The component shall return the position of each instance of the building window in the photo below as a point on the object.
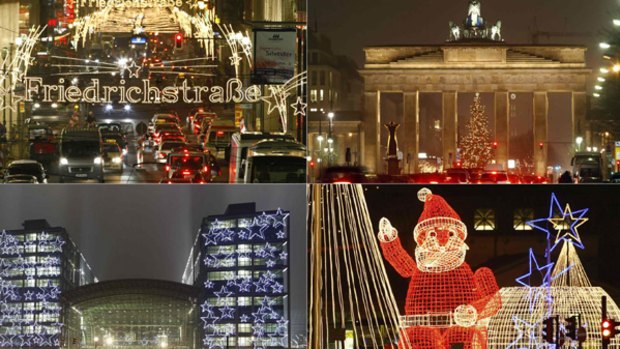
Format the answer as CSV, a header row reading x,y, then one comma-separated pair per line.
x,y
322,95
322,78
484,219
313,78
313,96
521,216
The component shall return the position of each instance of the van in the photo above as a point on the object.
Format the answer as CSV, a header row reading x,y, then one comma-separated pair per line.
x,y
217,137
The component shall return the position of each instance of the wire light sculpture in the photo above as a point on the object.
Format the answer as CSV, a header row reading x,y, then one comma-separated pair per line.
x,y
447,303
349,289
565,291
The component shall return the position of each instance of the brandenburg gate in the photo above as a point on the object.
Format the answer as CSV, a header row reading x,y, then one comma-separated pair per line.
x,y
475,59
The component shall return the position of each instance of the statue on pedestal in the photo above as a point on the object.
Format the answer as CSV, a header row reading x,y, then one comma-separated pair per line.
x,y
392,149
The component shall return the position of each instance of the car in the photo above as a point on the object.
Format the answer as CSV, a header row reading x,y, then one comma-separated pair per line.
x,y
163,128
428,178
199,120
161,154
494,177
26,167
192,165
21,179
167,180
456,175
112,156
344,174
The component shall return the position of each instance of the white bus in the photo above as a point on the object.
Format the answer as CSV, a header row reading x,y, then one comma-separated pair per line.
x,y
276,161
239,145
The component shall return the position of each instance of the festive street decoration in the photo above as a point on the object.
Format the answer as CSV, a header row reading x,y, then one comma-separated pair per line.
x,y
446,302
564,290
29,291
279,94
251,254
14,66
476,149
350,290
238,43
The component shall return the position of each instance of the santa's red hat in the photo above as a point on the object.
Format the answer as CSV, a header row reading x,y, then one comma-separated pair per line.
x,y
437,214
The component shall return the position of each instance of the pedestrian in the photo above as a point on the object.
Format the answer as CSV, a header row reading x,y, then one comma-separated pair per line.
x,y
566,177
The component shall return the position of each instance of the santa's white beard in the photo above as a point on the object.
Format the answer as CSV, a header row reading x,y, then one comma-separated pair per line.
x,y
434,260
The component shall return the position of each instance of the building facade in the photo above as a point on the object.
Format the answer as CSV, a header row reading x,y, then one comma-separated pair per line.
x,y
37,264
335,88
240,261
535,98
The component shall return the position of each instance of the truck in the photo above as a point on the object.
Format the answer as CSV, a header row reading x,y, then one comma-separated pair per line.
x,y
239,145
590,167
80,154
276,161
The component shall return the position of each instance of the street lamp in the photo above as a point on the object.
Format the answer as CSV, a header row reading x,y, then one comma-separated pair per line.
x,y
330,116
579,140
96,339
109,340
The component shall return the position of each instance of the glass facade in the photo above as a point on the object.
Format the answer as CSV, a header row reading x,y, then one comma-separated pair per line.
x,y
240,261
37,264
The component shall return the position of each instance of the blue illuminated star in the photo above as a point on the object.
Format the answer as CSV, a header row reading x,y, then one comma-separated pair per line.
x,y
545,271
257,230
279,219
574,219
541,223
227,312
223,292
209,239
208,284
244,318
225,235
529,329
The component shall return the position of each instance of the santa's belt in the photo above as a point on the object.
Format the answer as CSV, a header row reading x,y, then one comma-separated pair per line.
x,y
428,320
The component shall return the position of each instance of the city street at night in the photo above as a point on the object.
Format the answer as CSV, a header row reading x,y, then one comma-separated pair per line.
x,y
157,79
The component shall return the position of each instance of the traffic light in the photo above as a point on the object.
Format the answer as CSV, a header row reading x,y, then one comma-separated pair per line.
x,y
495,145
548,330
571,327
608,330
178,40
541,145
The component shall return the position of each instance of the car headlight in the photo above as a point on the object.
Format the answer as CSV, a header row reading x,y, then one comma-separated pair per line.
x,y
116,160
64,161
98,160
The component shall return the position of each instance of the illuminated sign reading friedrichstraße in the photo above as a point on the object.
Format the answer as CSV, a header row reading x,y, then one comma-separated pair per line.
x,y
131,3
140,94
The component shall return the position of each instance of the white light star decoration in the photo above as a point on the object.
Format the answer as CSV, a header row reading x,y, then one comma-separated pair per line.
x,y
17,325
278,98
254,251
565,289
239,43
14,66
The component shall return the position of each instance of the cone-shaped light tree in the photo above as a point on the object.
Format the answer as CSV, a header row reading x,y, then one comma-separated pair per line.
x,y
476,149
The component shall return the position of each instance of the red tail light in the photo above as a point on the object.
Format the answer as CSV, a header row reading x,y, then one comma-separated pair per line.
x,y
167,168
219,133
342,181
206,168
186,172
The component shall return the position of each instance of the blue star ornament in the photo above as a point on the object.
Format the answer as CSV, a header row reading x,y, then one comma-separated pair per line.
x,y
545,271
572,219
279,218
541,223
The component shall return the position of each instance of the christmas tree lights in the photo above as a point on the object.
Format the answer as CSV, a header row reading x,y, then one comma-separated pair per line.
x,y
476,149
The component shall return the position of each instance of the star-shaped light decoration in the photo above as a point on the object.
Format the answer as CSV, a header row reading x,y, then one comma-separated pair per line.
x,y
527,337
541,223
279,218
235,60
300,106
572,220
134,70
545,271
223,292
257,230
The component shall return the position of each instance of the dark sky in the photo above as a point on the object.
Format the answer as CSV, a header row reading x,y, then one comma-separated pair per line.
x,y
354,24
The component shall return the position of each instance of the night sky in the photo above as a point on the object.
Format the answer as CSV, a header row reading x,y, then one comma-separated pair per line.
x,y
354,24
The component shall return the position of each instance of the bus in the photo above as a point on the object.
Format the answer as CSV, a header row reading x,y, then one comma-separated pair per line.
x,y
590,167
276,161
239,145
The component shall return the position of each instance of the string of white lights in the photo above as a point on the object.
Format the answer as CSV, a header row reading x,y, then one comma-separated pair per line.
x,y
354,288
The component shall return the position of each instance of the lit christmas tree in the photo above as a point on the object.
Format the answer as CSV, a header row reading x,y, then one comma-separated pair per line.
x,y
476,146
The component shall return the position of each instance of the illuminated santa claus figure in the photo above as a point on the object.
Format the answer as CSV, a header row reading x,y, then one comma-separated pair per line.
x,y
447,303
